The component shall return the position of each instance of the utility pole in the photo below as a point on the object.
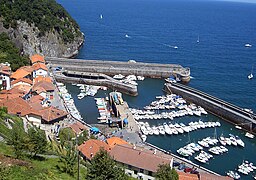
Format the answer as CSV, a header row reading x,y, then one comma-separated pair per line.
x,y
77,158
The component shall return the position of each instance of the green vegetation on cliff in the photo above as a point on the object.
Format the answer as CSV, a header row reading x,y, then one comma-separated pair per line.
x,y
47,15
9,53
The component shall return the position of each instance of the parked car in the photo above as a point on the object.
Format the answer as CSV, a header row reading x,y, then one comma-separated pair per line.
x,y
186,170
181,166
194,172
175,164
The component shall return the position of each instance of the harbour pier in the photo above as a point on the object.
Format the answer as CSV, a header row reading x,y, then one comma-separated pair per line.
x,y
218,107
97,79
111,68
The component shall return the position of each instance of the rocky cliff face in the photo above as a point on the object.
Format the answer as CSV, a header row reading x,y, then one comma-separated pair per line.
x,y
27,38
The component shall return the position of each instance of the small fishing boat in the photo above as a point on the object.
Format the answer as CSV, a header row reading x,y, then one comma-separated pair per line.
x,y
249,135
101,16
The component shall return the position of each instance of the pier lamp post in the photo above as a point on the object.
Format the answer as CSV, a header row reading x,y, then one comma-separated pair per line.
x,y
78,168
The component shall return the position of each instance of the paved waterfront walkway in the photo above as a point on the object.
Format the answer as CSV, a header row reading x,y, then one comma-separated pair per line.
x,y
125,113
129,136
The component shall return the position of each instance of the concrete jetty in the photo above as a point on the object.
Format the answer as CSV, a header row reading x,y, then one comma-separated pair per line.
x,y
218,107
151,70
96,79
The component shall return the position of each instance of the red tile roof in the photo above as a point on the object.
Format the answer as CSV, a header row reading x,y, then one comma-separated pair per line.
x,y
39,90
207,176
29,69
18,106
37,58
115,140
26,80
20,73
78,127
139,157
16,91
9,96
51,113
38,66
41,78
187,176
91,147
35,102
22,89
48,86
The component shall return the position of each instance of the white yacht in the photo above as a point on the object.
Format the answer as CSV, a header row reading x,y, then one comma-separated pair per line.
x,y
248,45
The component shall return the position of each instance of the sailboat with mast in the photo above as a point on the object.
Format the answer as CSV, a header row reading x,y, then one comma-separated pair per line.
x,y
250,76
198,40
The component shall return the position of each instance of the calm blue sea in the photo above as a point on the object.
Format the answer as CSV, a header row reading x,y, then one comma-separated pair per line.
x,y
219,63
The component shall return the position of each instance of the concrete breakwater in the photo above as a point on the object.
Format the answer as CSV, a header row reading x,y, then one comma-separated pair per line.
x,y
218,107
96,79
151,70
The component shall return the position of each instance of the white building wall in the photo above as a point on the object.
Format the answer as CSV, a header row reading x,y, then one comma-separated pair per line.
x,y
138,175
34,119
40,72
43,94
8,81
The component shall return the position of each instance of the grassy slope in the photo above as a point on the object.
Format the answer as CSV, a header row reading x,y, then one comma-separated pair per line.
x,y
38,169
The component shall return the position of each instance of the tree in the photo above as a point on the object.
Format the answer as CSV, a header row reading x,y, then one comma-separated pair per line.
x,y
37,141
104,167
165,172
66,135
82,137
18,139
68,157
9,53
4,172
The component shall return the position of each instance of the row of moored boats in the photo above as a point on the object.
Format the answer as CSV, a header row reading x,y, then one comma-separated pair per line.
x,y
245,168
130,79
103,110
177,128
88,90
69,101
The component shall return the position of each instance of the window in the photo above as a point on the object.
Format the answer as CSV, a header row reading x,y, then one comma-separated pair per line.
x,y
150,173
135,172
141,170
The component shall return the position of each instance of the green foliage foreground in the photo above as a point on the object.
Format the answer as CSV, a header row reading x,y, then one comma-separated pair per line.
x,y
165,172
104,167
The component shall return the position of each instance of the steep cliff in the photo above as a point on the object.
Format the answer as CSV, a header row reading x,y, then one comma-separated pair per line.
x,y
40,27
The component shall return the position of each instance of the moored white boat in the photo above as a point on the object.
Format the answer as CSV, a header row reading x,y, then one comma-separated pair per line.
x,y
249,135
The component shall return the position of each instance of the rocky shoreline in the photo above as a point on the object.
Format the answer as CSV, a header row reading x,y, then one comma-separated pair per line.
x,y
26,38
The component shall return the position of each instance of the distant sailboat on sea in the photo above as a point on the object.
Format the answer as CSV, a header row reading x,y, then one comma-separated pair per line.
x,y
250,76
198,40
101,16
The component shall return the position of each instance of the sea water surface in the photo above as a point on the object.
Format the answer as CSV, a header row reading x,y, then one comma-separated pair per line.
x,y
148,30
